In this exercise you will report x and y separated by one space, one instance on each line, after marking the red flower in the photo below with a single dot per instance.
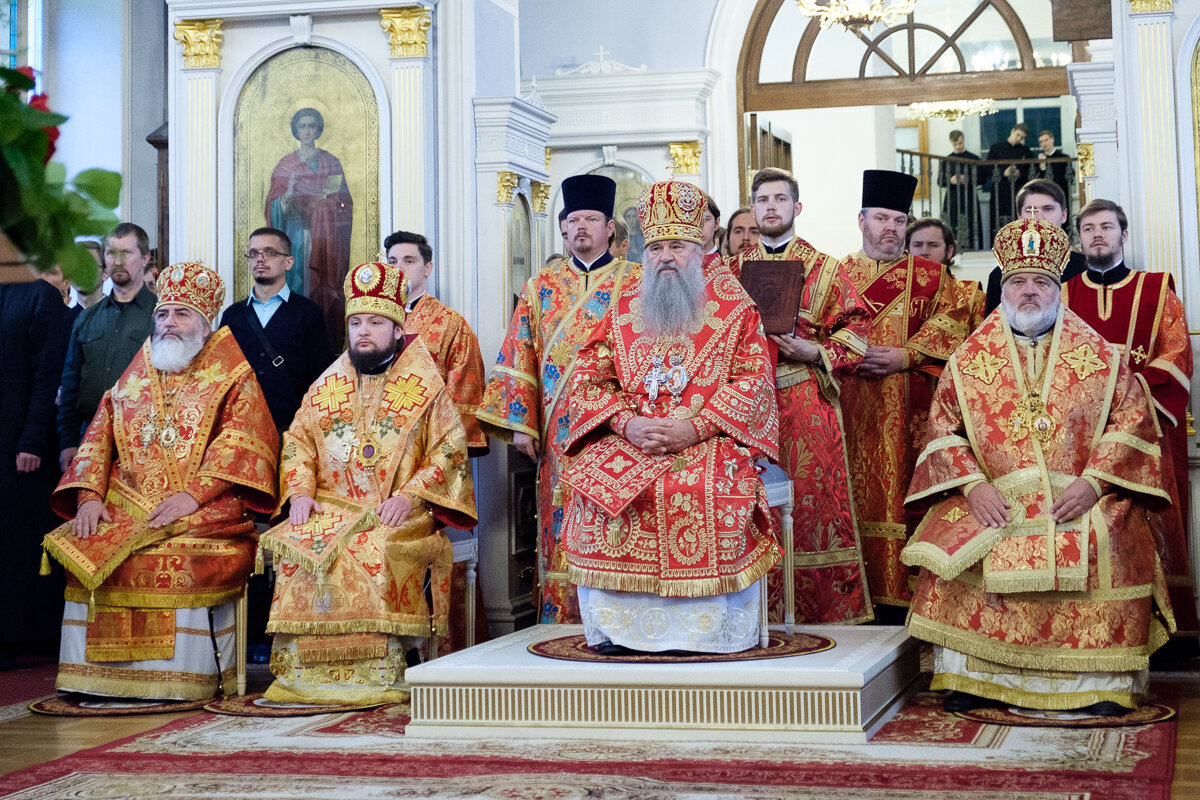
41 103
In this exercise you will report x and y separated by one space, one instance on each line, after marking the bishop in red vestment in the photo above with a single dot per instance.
667 531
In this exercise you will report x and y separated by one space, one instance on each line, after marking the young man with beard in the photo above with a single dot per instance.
374 465
106 336
931 238
673 383
281 332
525 400
1142 316
181 450
743 232
918 315
1041 440
828 341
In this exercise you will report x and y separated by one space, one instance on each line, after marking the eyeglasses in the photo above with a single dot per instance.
268 254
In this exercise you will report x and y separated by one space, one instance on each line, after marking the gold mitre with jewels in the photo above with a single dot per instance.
1032 245
376 288
672 210
191 284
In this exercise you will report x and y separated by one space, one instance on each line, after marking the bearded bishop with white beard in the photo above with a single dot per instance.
161 541
1039 581
667 532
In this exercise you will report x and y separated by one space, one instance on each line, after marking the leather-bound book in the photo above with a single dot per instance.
776 286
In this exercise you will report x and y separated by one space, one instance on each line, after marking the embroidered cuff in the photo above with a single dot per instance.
86 495
1100 486
967 487
204 489
619 420
705 429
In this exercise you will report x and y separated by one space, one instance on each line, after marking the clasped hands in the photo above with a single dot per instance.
658 436
91 512
990 508
391 511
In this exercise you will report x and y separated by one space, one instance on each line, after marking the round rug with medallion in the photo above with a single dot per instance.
255 705
1038 718
88 706
780 645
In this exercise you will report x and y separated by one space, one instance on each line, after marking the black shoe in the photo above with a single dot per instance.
610 649
412 657
1106 708
957 702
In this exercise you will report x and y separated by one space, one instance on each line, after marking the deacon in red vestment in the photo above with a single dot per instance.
668 530
181 450
919 314
830 337
525 401
1142 316
1039 581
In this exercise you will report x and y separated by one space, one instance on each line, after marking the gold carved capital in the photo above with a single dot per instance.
201 40
506 186
1150 6
685 157
1086 153
407 29
541 193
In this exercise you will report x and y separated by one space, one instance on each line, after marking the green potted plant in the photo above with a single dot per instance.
41 212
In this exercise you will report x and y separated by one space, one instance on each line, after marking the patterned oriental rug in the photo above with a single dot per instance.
922 754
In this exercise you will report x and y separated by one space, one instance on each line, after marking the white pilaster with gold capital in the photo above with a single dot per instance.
407 29
193 150
1094 85
1143 58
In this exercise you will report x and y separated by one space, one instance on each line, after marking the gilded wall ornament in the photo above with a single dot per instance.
506 186
407 28
685 158
1086 152
201 40
541 194
1150 6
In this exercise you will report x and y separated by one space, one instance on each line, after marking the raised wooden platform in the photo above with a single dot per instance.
500 689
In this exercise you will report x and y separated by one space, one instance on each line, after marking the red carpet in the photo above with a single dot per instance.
23 685
923 754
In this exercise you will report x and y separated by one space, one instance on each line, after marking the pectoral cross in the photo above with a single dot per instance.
655 378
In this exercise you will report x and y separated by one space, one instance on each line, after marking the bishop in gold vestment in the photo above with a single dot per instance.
180 451
374 465
1039 580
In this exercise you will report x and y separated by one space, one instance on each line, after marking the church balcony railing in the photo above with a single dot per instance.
978 197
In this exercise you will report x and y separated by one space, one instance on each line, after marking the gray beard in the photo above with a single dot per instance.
1031 323
672 303
174 355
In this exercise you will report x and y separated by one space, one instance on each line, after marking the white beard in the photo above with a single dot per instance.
672 302
174 355
1033 323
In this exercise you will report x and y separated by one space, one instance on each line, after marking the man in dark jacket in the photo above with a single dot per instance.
281 333
106 336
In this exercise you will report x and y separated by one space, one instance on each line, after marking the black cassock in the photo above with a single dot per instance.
1004 189
33 343
960 206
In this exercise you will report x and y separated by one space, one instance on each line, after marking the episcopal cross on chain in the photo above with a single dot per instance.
655 378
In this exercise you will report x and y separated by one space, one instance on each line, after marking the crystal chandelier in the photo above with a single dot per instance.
856 14
952 109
